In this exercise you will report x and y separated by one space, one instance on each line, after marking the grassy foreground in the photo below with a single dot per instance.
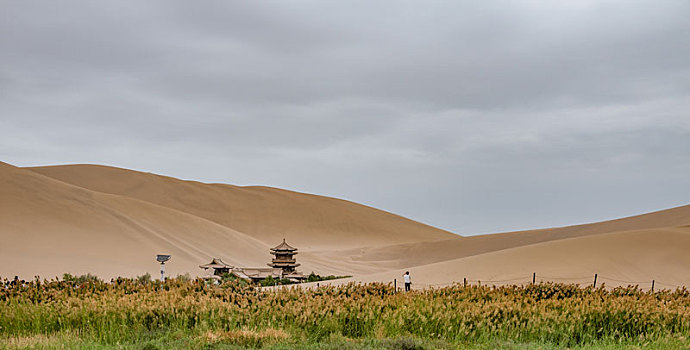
183 314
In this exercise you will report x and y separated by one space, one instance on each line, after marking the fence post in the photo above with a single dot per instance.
464 282
652 286
479 283
317 284
395 285
595 280
534 277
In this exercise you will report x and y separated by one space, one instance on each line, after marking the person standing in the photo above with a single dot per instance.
407 280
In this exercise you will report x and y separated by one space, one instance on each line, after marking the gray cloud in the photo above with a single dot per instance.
472 117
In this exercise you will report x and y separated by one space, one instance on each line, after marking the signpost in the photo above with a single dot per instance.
162 259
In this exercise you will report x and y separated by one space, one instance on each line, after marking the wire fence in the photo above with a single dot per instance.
595 280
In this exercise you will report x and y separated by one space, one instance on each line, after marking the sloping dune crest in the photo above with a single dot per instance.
422 253
267 214
618 258
111 222
49 228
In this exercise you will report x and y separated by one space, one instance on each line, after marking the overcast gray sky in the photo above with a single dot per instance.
475 116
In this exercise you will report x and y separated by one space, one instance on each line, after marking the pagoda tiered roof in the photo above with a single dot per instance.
284 247
283 264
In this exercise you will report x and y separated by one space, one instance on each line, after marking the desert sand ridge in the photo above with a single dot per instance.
422 253
619 258
267 214
49 227
111 222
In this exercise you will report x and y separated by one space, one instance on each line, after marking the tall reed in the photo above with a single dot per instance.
127 310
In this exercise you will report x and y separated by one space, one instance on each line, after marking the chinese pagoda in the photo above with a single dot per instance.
284 259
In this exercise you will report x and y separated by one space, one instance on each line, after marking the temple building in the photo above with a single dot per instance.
285 259
218 268
283 265
257 274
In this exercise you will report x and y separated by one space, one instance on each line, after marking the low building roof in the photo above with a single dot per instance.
257 272
295 275
216 264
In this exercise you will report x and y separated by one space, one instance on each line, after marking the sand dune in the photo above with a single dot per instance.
52 226
49 227
619 258
268 214
111 222
422 253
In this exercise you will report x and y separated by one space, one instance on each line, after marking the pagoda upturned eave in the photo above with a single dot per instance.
284 252
278 264
283 247
283 260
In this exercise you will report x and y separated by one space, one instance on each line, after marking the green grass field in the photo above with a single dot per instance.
137 314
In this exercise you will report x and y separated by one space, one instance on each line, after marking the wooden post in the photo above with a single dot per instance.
395 285
479 283
534 277
652 286
317 284
595 280
464 282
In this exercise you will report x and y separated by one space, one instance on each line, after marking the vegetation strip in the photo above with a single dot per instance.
185 313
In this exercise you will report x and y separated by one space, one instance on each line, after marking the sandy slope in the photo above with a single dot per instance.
268 214
422 253
619 258
112 221
48 227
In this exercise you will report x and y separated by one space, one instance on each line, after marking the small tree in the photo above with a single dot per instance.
184 278
144 279
268 281
284 281
313 277
67 277
230 278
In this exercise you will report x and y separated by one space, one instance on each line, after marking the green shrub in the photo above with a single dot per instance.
316 278
88 278
268 281
144 279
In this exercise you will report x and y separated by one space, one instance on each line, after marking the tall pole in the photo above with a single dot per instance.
162 259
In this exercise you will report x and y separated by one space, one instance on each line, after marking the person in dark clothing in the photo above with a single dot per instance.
407 280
